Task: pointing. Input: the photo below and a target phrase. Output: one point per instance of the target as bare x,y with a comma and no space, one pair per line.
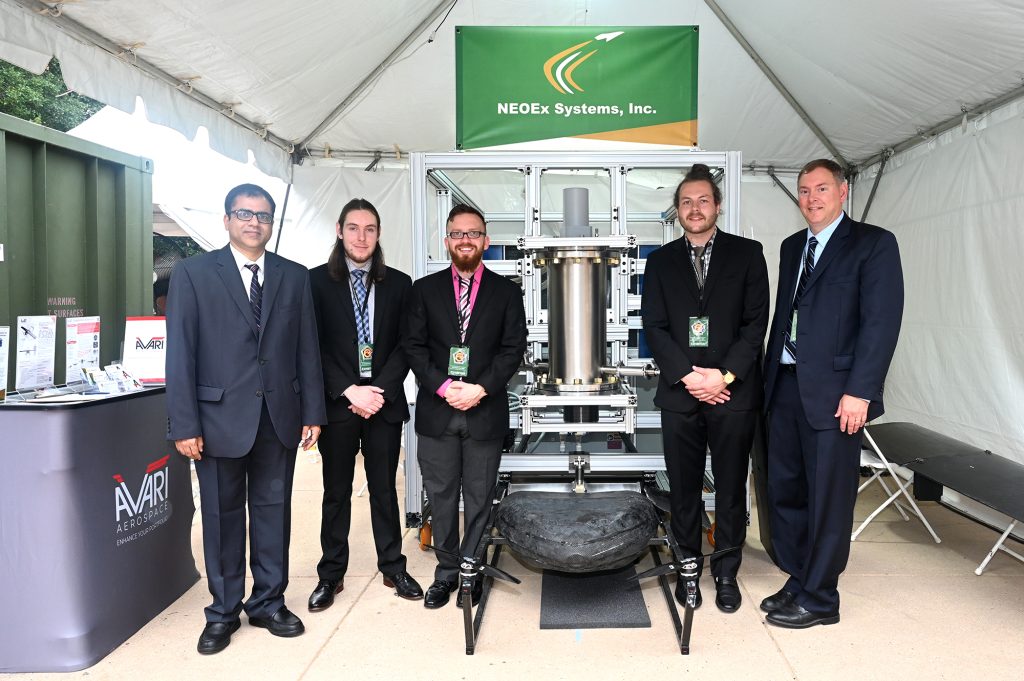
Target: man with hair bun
705,313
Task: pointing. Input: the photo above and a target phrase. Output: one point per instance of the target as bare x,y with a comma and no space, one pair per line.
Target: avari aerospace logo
139,513
560,67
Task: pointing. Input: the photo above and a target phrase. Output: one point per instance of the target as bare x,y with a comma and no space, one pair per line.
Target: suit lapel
719,260
380,304
446,293
685,267
836,243
271,285
344,290
789,272
483,297
232,279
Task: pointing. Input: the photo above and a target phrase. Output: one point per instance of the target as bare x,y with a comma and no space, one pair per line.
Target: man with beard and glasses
465,339
358,302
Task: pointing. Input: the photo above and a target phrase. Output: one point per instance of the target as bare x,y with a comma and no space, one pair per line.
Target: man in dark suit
244,387
465,340
359,303
837,320
705,313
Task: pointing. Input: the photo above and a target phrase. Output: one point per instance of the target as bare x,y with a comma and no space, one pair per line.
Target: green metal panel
76,224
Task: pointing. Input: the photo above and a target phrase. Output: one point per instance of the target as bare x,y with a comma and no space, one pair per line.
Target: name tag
700,327
792,329
365,357
458,361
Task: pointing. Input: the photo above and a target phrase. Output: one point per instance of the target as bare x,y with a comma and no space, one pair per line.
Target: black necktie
805,275
698,264
255,293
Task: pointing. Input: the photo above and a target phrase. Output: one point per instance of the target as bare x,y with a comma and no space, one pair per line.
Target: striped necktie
465,285
805,275
255,293
360,303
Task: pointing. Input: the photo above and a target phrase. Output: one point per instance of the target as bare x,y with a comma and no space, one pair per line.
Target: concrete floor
912,609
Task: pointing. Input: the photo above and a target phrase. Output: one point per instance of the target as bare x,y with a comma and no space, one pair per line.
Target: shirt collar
241,260
353,265
456,275
824,235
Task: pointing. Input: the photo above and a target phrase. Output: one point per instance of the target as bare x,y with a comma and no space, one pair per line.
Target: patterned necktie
255,293
698,264
805,275
360,304
465,284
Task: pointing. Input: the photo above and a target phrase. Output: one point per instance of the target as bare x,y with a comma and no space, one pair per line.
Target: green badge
365,357
699,328
792,329
458,361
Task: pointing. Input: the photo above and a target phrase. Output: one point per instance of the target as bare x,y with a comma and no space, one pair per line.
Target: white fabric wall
956,205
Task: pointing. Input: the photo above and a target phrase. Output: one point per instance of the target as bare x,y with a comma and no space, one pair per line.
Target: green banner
623,83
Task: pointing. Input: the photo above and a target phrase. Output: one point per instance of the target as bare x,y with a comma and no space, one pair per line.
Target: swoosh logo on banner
559,68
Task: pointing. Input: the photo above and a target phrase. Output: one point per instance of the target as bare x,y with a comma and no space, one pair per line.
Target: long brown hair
337,266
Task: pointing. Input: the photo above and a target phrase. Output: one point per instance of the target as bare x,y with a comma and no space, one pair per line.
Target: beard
468,262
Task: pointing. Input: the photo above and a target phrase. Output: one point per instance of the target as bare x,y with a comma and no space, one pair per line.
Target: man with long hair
359,302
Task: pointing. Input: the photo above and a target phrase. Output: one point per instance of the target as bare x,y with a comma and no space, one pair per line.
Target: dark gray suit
248,393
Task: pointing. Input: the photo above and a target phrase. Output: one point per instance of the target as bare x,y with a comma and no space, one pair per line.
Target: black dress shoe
681,594
438,593
216,636
404,585
476,593
282,623
728,598
794,616
323,595
779,599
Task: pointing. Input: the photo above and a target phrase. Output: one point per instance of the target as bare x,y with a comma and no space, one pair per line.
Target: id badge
365,357
699,329
458,361
792,329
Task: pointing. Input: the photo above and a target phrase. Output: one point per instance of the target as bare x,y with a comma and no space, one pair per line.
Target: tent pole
284,210
376,72
874,187
778,183
818,132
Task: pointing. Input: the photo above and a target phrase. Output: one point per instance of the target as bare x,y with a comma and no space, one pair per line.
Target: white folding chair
1000,546
901,477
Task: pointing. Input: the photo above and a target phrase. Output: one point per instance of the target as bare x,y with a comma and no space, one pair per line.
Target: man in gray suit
244,387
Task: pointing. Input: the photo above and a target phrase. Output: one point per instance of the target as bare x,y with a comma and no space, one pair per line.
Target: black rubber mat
595,600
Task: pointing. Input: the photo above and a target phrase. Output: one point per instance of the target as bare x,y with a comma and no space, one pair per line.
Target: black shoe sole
434,606
804,625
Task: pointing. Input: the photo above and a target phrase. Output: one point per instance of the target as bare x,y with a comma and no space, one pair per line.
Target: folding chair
901,477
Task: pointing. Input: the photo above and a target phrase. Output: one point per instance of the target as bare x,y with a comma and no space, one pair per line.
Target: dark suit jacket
736,302
848,320
339,342
496,338
220,371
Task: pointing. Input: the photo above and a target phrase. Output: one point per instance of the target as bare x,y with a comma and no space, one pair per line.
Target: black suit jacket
848,321
496,337
736,302
339,342
220,370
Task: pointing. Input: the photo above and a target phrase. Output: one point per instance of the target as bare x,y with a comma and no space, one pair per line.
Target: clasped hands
706,385
366,400
463,396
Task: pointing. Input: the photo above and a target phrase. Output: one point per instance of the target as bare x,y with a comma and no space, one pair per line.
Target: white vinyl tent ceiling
870,74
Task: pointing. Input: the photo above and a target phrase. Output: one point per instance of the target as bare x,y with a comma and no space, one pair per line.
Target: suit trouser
381,443
450,462
812,488
264,475
686,438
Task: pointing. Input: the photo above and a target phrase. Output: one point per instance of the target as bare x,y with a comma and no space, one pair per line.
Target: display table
95,522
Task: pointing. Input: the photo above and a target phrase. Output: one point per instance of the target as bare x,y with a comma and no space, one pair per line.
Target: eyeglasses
473,234
246,215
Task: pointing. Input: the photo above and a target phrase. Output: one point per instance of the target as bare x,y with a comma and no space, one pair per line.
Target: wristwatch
728,376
